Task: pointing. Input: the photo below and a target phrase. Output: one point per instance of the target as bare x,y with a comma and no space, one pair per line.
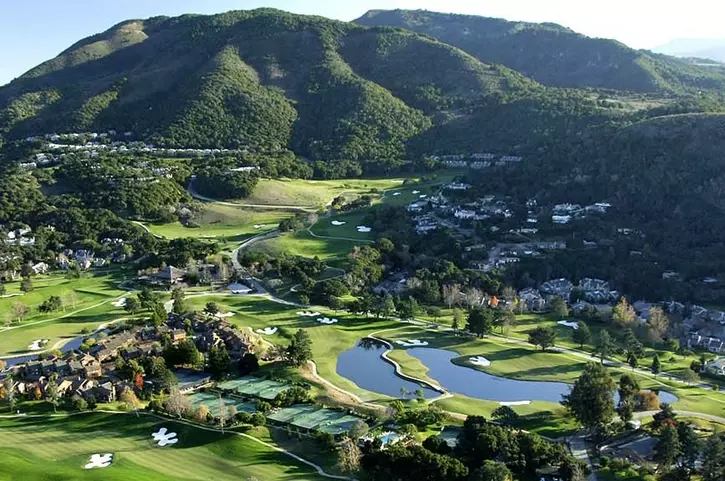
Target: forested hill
261,78
552,54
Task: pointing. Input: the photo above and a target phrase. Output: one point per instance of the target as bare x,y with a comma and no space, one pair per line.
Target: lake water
364,366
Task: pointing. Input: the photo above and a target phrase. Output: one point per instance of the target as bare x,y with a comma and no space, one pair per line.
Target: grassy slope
57,449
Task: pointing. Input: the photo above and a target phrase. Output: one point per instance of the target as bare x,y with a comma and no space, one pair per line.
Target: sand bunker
164,437
514,403
396,194
338,222
412,343
38,344
120,303
416,192
422,196
224,314
572,324
326,320
258,226
479,361
308,314
99,461
267,331
364,228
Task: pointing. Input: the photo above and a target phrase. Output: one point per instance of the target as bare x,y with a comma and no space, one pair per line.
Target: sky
36,30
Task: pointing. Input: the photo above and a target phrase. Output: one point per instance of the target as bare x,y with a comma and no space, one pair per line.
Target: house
170,275
415,207
92,371
40,268
557,287
716,368
560,219
465,214
178,335
237,288
104,393
532,299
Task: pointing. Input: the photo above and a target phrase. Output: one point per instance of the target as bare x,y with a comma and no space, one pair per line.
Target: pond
364,366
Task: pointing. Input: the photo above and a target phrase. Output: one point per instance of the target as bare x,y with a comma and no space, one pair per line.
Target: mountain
711,49
262,78
552,54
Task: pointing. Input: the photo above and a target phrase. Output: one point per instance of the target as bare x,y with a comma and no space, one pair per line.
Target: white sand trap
308,314
38,344
267,331
412,343
396,194
338,222
258,226
164,437
416,192
364,228
99,461
514,403
224,314
326,320
120,303
422,196
479,361
572,324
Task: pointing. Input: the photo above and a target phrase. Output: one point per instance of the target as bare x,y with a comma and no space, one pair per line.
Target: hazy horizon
33,32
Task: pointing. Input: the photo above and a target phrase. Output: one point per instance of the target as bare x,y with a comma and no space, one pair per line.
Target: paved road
578,447
691,414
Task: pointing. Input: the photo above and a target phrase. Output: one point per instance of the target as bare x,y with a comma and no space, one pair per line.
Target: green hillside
552,54
271,80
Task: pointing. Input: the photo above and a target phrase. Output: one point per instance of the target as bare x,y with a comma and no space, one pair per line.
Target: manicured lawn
57,448
223,223
15,341
314,193
301,243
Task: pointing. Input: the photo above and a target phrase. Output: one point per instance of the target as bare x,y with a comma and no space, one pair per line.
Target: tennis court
211,401
255,387
286,415
312,418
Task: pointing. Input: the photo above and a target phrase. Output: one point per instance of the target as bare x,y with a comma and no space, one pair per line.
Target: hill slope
552,54
264,78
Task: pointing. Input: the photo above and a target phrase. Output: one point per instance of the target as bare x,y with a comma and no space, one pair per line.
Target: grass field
315,193
57,448
333,251
224,223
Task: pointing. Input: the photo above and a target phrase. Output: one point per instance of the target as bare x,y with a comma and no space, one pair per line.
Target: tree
591,400
52,304
130,400
605,345
78,403
543,336
159,315
480,321
632,360
304,299
201,414
211,308
219,361
3,289
147,298
667,448
658,324
458,319
690,376
20,310
248,364
176,403
505,415
359,429
656,366
492,471
223,412
582,335
504,319
179,301
666,416
689,446
9,393
451,294
713,459
131,305
51,391
349,456
628,388
559,308
300,349
623,313
257,419
26,285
